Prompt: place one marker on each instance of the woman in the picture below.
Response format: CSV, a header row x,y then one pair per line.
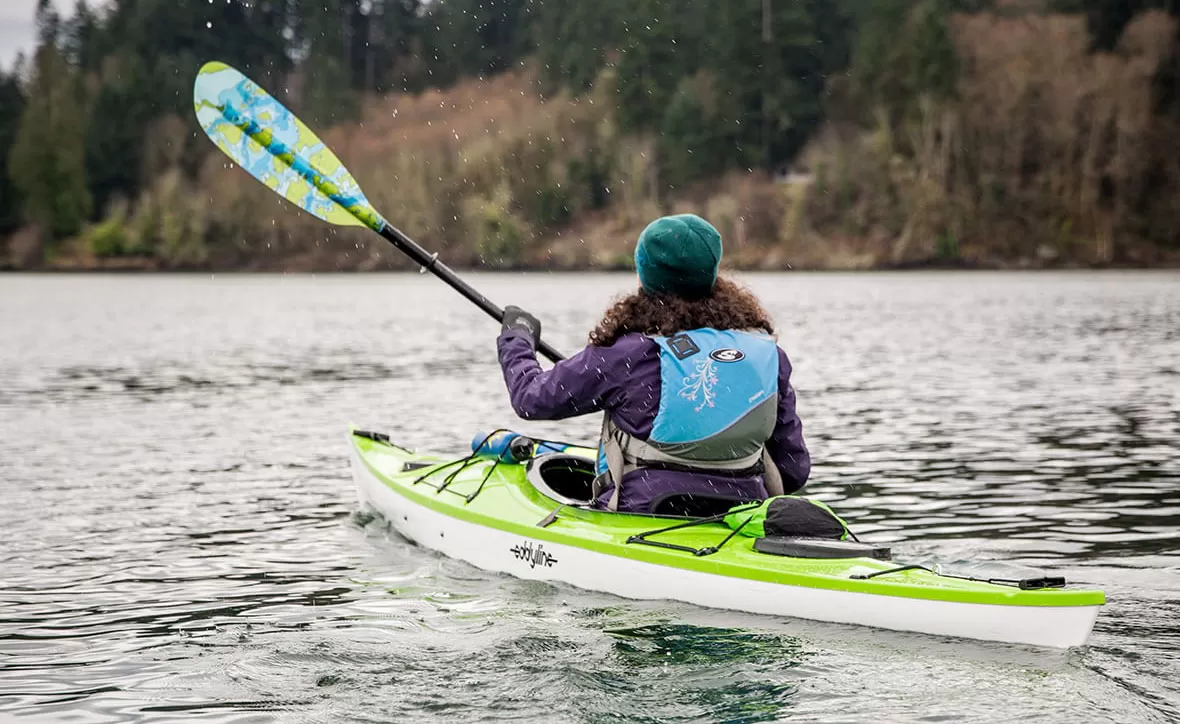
x,y
699,408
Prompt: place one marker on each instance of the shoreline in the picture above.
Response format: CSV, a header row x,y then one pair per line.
x,y
300,270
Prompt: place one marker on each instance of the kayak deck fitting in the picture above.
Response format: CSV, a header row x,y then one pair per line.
x,y
530,520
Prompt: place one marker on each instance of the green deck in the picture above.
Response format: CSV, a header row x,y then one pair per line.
x,y
509,503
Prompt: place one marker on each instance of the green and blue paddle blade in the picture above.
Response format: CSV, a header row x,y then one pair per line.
x,y
275,147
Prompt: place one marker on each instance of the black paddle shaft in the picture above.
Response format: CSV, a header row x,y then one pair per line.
x,y
407,246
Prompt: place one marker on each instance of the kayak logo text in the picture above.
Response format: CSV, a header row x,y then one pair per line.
x,y
534,556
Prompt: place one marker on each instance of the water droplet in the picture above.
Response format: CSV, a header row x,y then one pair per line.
x,y
208,24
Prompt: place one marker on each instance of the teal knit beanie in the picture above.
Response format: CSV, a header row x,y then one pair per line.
x,y
678,255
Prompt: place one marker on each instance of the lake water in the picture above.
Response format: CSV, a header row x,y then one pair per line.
x,y
179,539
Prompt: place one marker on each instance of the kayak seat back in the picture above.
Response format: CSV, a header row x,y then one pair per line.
x,y
568,479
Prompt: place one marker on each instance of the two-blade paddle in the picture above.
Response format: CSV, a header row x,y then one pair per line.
x,y
275,147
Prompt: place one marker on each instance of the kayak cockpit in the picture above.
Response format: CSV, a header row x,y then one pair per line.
x,y
566,478
569,480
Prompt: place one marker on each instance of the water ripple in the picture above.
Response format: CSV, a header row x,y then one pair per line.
x,y
181,541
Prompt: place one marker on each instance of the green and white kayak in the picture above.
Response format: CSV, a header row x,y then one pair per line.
x,y
528,519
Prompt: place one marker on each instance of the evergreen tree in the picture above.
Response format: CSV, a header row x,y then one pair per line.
x,y
48,23
904,51
691,141
400,35
767,51
475,37
326,32
656,55
12,103
119,111
386,31
574,39
46,164
82,38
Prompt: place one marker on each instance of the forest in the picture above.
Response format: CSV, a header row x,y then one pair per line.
x,y
546,133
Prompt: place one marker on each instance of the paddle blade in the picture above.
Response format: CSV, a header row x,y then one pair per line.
x,y
275,147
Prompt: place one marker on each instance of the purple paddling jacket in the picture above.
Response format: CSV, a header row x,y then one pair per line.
x,y
624,381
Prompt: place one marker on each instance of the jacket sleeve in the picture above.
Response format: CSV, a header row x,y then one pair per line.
x,y
574,386
786,446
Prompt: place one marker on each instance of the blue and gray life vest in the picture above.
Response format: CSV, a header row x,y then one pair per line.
x,y
718,407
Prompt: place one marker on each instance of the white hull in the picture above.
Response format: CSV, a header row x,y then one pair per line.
x,y
495,550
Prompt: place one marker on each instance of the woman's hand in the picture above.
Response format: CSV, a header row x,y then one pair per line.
x,y
517,318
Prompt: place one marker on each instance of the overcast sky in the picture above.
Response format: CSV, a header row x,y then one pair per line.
x,y
16,27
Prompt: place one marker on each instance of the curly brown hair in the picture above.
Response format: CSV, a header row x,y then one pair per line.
x,y
730,306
